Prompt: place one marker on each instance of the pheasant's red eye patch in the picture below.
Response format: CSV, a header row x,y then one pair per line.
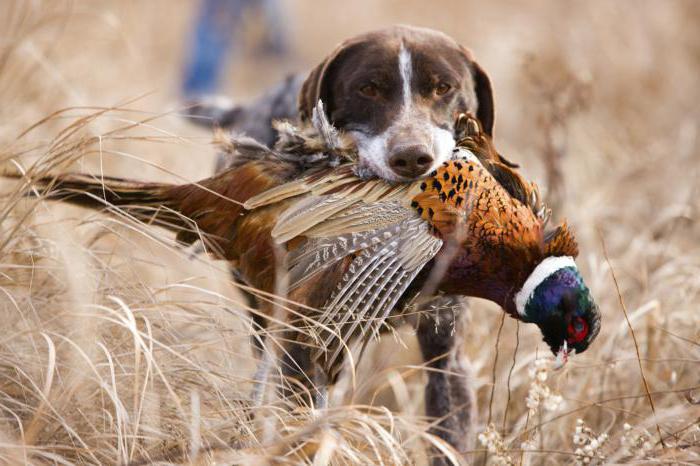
x,y
577,330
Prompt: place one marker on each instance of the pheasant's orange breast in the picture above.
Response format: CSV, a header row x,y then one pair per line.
x,y
462,198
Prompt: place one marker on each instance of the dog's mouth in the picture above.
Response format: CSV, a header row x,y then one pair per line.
x,y
402,159
372,157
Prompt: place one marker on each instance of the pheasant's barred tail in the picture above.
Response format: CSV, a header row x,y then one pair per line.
x,y
146,202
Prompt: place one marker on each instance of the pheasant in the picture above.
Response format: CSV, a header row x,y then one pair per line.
x,y
357,250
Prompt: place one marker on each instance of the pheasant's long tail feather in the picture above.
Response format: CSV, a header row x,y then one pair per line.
x,y
147,202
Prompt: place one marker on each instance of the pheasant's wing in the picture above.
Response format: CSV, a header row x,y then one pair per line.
x,y
358,206
349,231
374,281
340,216
371,222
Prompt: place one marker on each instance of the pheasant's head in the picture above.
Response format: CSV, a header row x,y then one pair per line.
x,y
555,298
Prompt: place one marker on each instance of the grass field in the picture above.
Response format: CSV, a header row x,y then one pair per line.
x,y
117,346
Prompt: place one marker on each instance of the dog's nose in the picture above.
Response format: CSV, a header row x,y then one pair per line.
x,y
411,162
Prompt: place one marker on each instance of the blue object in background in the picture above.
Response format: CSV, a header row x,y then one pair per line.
x,y
216,37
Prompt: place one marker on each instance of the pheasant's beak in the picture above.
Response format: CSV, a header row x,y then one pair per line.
x,y
563,355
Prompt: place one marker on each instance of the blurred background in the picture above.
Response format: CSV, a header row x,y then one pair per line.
x,y
120,347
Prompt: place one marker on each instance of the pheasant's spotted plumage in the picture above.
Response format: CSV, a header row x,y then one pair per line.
x,y
464,188
445,198
359,249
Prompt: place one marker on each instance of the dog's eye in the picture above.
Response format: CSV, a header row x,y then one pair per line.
x,y
369,90
442,88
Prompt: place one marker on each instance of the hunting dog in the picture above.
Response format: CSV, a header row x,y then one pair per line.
x,y
396,93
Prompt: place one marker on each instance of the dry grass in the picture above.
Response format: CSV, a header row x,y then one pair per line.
x,y
120,347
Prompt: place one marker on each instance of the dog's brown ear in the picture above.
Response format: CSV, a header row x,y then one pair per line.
x,y
485,111
308,96
316,85
484,94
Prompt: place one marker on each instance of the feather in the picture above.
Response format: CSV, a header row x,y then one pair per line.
x,y
146,202
328,202
361,217
375,280
317,142
560,242
278,194
307,213
318,182
320,253
329,135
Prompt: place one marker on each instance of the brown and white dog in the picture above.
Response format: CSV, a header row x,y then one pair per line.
x,y
395,91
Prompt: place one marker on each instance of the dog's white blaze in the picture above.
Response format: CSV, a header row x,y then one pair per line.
x,y
543,270
405,71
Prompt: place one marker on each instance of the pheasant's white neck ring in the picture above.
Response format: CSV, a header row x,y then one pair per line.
x,y
543,270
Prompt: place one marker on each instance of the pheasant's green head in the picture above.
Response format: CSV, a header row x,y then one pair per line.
x,y
555,298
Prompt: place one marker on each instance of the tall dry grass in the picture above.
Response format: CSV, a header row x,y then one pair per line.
x,y
119,347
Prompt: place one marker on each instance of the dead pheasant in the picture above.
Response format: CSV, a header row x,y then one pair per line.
x,y
359,250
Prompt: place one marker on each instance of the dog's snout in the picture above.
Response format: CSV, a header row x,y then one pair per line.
x,y
411,162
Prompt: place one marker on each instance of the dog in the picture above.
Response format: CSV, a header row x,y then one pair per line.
x,y
395,91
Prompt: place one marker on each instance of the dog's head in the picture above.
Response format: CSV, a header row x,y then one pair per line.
x,y
397,92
